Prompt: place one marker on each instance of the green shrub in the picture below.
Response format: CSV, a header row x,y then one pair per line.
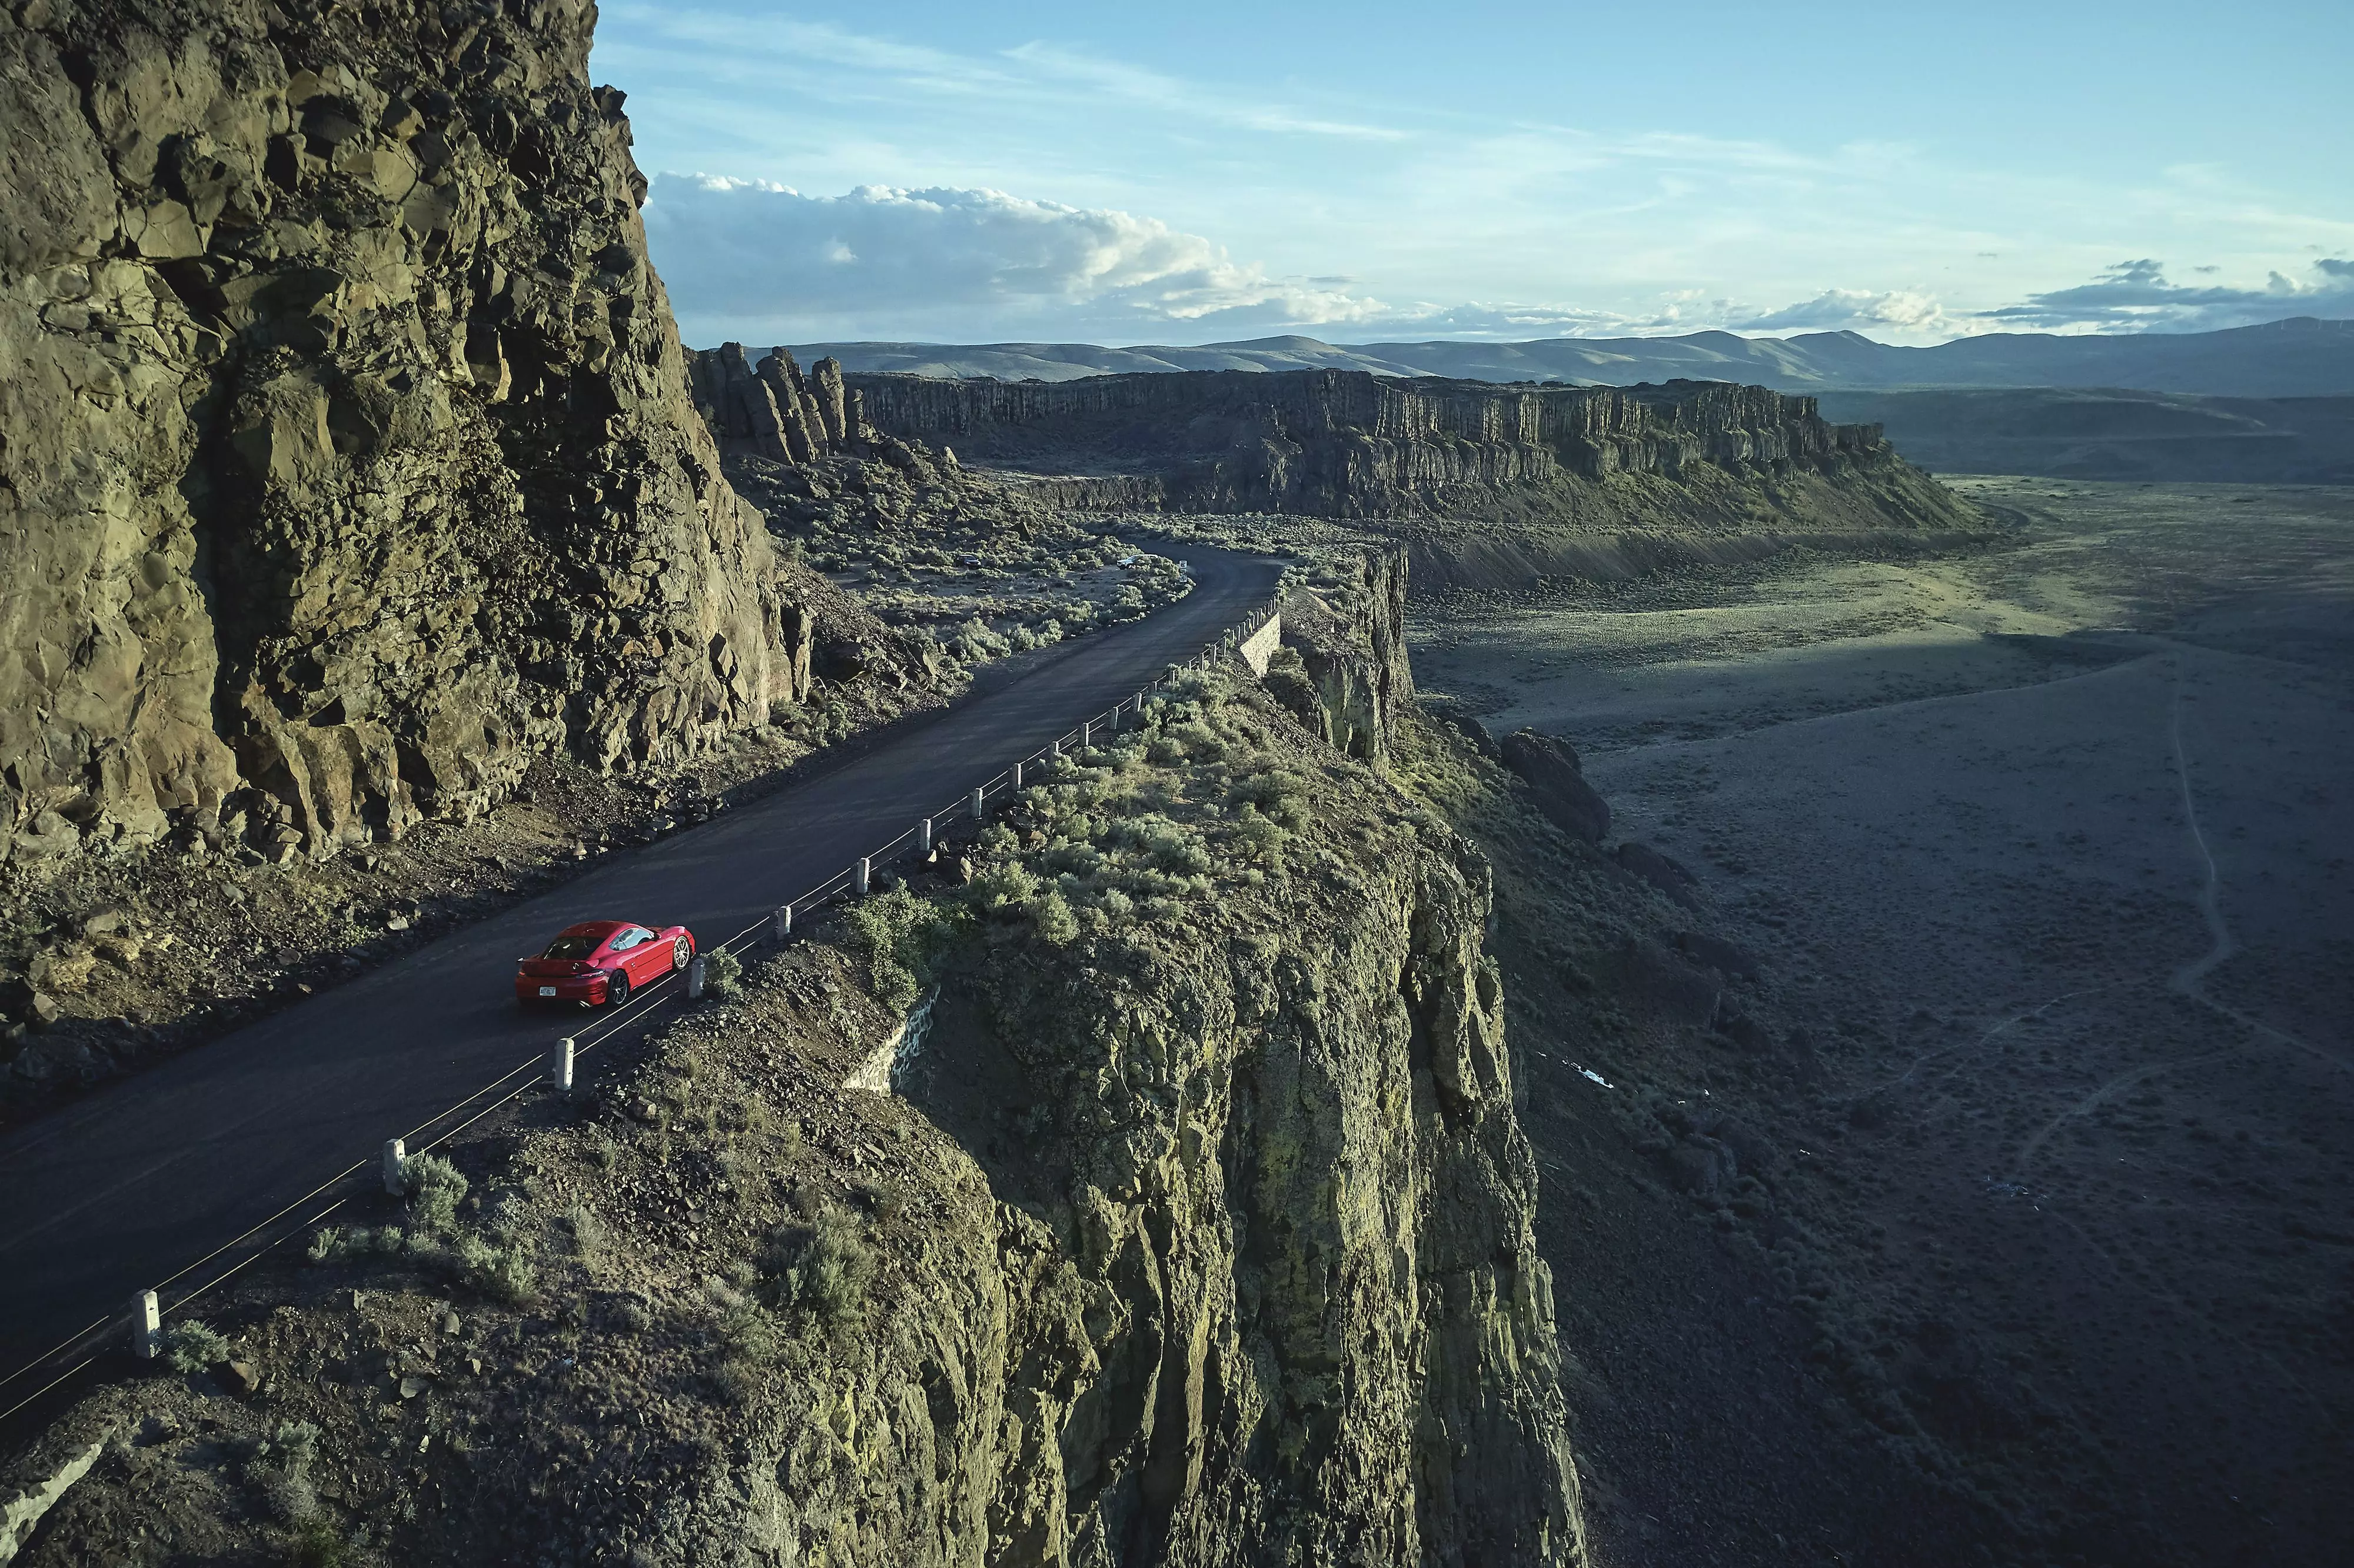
x,y
1259,836
192,1346
1163,844
1074,855
317,1545
900,936
436,1188
975,641
823,1267
723,975
501,1273
589,1233
279,1468
1050,916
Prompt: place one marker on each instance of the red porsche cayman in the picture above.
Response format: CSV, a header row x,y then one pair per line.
x,y
602,961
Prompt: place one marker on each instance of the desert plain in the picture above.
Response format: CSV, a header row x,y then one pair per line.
x,y
2043,853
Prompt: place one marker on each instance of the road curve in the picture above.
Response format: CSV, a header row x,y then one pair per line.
x,y
146,1176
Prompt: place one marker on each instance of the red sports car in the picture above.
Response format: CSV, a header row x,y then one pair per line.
x,y
602,961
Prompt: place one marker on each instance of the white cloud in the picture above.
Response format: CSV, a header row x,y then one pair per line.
x,y
763,262
2134,296
1898,314
755,259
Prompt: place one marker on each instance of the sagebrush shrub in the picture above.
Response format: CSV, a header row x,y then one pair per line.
x,y
823,1267
436,1188
192,1346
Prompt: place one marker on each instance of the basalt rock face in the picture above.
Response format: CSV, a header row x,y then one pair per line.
x,y
1353,445
1318,1330
1343,670
769,410
348,461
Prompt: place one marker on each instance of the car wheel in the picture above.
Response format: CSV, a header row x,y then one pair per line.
x,y
680,951
617,988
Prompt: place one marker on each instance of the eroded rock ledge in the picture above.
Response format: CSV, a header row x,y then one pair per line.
x,y
1353,445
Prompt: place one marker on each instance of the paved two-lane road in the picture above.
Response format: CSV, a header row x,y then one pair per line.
x,y
144,1177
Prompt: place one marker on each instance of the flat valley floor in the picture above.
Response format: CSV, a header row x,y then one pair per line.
x,y
2046,854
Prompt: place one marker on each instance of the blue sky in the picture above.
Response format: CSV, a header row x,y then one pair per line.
x,y
1143,174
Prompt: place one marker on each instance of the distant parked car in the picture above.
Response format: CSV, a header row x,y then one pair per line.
x,y
600,961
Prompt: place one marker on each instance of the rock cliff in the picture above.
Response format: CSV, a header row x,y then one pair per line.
x,y
770,410
349,461
1141,1186
1349,444
1343,669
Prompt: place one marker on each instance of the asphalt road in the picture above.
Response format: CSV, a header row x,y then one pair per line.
x,y
146,1177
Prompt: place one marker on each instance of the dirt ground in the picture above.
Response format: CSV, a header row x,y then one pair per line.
x,y
2043,856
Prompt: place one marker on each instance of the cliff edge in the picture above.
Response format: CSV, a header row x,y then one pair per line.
x,y
1139,1183
1349,444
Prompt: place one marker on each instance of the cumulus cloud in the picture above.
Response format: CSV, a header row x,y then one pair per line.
x,y
2134,296
1898,314
754,258
764,262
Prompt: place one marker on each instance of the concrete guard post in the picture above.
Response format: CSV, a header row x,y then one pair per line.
x,y
865,874
559,1064
784,922
924,836
1017,776
146,1326
396,1167
979,806
695,973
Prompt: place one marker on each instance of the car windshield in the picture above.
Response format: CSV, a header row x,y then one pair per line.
x,y
570,946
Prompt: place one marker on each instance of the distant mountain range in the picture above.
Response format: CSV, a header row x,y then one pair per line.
x,y
2079,433
2300,357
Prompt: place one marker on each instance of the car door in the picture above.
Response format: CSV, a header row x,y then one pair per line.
x,y
642,955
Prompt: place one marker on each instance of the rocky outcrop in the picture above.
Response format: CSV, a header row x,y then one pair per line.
x,y
1343,670
1557,784
770,411
1308,1322
767,409
1350,444
348,459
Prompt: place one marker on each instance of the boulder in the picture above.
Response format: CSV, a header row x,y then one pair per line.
x,y
1471,729
1665,874
1557,784
839,659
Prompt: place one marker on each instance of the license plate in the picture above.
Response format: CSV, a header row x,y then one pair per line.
x,y
547,990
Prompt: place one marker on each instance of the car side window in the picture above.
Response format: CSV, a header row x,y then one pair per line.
x,y
636,935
